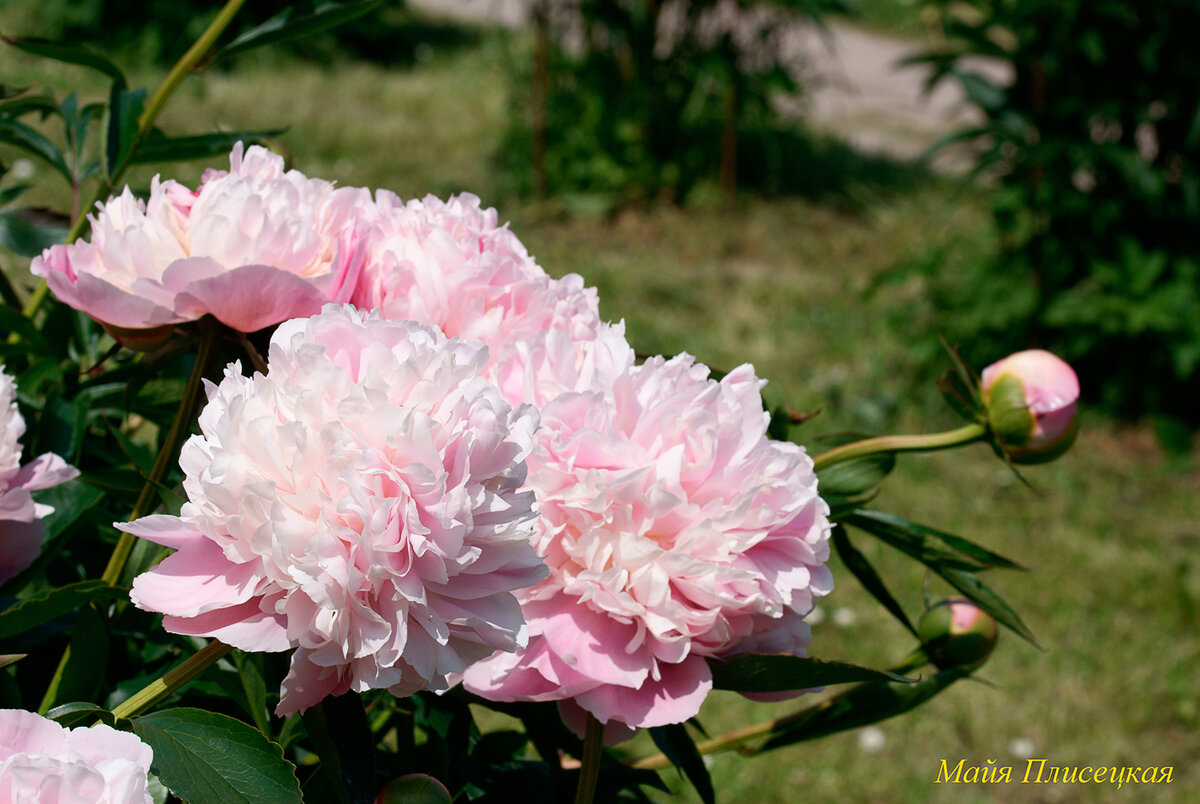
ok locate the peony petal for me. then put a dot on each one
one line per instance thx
(20, 544)
(196, 579)
(673, 699)
(250, 297)
(45, 471)
(169, 531)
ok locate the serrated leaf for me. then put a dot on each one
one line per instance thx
(181, 149)
(71, 54)
(922, 542)
(53, 603)
(862, 569)
(679, 747)
(34, 142)
(124, 108)
(288, 24)
(858, 706)
(206, 757)
(762, 672)
(23, 235)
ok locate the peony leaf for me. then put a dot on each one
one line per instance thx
(53, 603)
(81, 713)
(124, 108)
(343, 739)
(159, 148)
(84, 664)
(858, 706)
(34, 142)
(677, 745)
(983, 597)
(761, 672)
(71, 54)
(288, 24)
(26, 233)
(856, 476)
(203, 756)
(861, 569)
(928, 544)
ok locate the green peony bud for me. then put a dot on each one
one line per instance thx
(957, 633)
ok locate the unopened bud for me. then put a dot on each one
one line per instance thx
(1031, 400)
(957, 633)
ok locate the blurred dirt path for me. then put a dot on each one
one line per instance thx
(855, 85)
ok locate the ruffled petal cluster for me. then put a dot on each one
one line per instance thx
(449, 264)
(42, 762)
(674, 531)
(253, 246)
(21, 517)
(361, 503)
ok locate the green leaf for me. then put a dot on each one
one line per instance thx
(181, 149)
(206, 757)
(983, 597)
(861, 569)
(53, 603)
(80, 713)
(288, 24)
(859, 706)
(124, 108)
(25, 233)
(34, 142)
(760, 672)
(677, 745)
(254, 688)
(922, 542)
(71, 54)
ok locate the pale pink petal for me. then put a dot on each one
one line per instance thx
(20, 544)
(250, 297)
(196, 579)
(45, 471)
(169, 531)
(673, 699)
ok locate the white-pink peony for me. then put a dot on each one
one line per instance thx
(360, 503)
(449, 263)
(21, 517)
(42, 762)
(253, 246)
(675, 531)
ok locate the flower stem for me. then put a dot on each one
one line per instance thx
(172, 680)
(901, 443)
(168, 451)
(589, 773)
(186, 64)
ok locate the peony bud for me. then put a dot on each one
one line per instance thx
(415, 788)
(957, 633)
(1030, 400)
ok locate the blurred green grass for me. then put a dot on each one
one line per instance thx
(1111, 536)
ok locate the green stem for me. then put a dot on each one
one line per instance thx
(736, 738)
(172, 680)
(186, 64)
(166, 455)
(589, 773)
(901, 443)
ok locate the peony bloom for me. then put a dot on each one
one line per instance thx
(42, 762)
(1031, 398)
(20, 517)
(674, 531)
(359, 503)
(449, 264)
(253, 246)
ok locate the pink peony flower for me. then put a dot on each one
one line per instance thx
(253, 246)
(20, 517)
(449, 264)
(674, 531)
(43, 763)
(359, 503)
(1031, 400)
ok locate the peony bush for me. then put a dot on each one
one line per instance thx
(353, 468)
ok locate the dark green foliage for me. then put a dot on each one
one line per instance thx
(1096, 145)
(632, 99)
